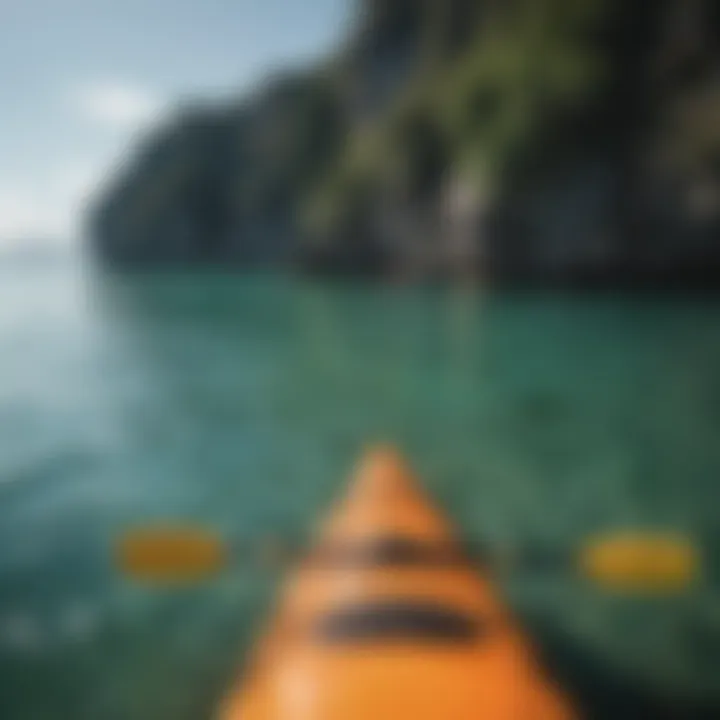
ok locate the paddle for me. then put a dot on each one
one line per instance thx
(627, 561)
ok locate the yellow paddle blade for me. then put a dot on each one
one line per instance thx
(640, 562)
(623, 561)
(170, 553)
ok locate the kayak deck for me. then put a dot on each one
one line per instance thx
(386, 619)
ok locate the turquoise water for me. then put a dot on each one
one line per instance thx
(243, 402)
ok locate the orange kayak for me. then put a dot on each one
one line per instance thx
(385, 619)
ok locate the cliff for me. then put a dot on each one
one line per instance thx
(532, 140)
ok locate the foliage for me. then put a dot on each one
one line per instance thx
(214, 169)
(520, 75)
(482, 89)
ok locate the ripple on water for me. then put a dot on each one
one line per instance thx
(243, 403)
(22, 633)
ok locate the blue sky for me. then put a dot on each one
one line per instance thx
(80, 78)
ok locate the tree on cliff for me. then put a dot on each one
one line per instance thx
(589, 124)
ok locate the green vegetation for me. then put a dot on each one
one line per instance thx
(524, 74)
(424, 91)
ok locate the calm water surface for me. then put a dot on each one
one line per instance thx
(243, 402)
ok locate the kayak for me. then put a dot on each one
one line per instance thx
(385, 618)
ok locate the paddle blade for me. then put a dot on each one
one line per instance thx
(640, 562)
(170, 554)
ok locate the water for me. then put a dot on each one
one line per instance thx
(243, 402)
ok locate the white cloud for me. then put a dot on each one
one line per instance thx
(47, 208)
(49, 204)
(115, 104)
(23, 215)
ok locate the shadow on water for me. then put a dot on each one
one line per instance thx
(602, 692)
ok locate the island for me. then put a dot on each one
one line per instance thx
(545, 141)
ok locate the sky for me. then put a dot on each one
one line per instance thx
(79, 79)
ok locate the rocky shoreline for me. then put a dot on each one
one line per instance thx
(582, 152)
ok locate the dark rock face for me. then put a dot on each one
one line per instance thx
(589, 146)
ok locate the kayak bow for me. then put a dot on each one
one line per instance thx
(385, 619)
